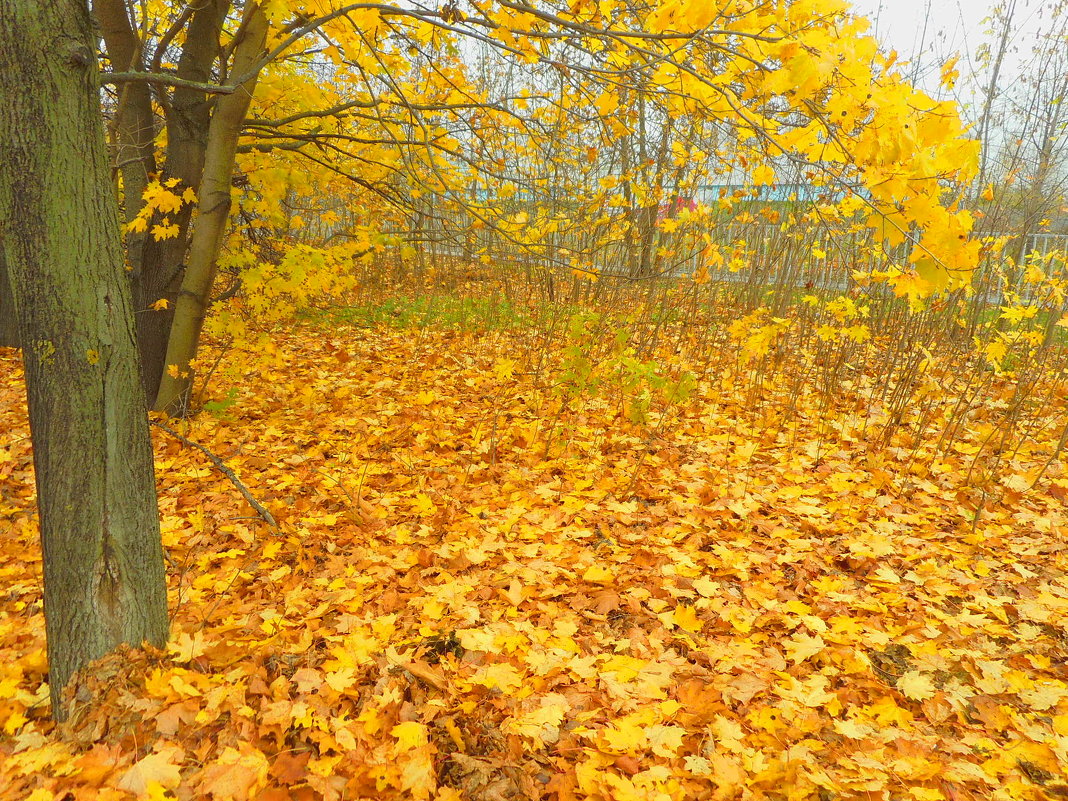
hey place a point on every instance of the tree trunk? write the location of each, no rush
(9, 326)
(188, 116)
(156, 267)
(210, 226)
(134, 158)
(104, 581)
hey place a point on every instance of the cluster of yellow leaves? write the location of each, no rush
(449, 611)
(161, 199)
(863, 123)
(845, 313)
(845, 110)
(1030, 317)
(758, 332)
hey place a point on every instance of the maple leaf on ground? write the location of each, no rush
(499, 676)
(235, 775)
(409, 735)
(161, 768)
(802, 646)
(916, 685)
(685, 617)
(417, 772)
(541, 724)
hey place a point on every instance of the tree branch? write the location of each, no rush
(165, 80)
(268, 518)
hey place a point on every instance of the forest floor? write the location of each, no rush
(473, 593)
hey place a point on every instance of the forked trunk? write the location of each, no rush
(156, 267)
(211, 222)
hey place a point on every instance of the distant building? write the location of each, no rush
(772, 193)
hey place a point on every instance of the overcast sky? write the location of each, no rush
(911, 25)
(930, 31)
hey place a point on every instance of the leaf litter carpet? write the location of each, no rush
(472, 595)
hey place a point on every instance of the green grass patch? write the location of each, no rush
(439, 311)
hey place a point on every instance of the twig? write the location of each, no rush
(268, 518)
(211, 372)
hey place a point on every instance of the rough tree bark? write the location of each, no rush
(9, 333)
(104, 580)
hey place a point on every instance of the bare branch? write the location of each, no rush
(261, 510)
(164, 79)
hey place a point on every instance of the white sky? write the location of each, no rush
(909, 25)
(928, 32)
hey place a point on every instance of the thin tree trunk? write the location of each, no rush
(210, 226)
(1005, 19)
(104, 581)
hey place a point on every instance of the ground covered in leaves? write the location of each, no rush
(475, 594)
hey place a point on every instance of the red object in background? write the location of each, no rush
(671, 209)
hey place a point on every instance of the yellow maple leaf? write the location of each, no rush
(707, 587)
(542, 724)
(161, 199)
(187, 647)
(916, 686)
(887, 576)
(685, 617)
(410, 735)
(886, 712)
(950, 73)
(504, 369)
(138, 224)
(500, 676)
(802, 646)
(160, 767)
(424, 507)
(417, 773)
(598, 574)
(165, 230)
(1060, 724)
(729, 733)
(341, 679)
(763, 175)
(665, 739)
(15, 721)
(624, 736)
(852, 729)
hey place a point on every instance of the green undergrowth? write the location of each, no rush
(424, 311)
